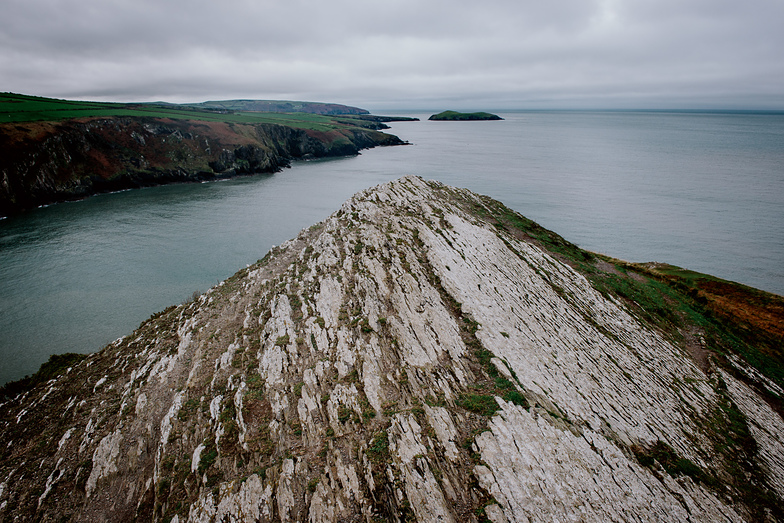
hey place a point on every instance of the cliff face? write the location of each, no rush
(48, 162)
(417, 356)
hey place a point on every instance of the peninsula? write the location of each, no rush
(55, 150)
(424, 354)
(456, 116)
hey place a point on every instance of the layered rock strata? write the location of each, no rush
(413, 357)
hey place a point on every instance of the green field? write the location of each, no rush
(17, 108)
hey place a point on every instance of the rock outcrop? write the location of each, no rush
(46, 162)
(423, 354)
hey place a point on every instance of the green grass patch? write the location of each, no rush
(208, 457)
(674, 464)
(17, 108)
(671, 298)
(511, 221)
(378, 450)
(482, 404)
(657, 303)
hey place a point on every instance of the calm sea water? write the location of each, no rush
(702, 191)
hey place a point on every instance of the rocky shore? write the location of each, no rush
(424, 354)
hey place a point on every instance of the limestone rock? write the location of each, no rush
(423, 354)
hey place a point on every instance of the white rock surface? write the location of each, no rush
(333, 381)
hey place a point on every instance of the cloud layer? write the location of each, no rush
(403, 54)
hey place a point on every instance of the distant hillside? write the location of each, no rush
(457, 116)
(280, 106)
(24, 108)
(55, 150)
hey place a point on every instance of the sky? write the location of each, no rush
(401, 54)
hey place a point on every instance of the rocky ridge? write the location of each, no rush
(416, 356)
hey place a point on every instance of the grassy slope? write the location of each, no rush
(16, 108)
(56, 150)
(709, 315)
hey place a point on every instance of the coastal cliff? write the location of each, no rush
(47, 162)
(423, 354)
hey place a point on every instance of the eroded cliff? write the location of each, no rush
(46, 162)
(423, 354)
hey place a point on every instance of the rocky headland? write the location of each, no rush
(424, 354)
(47, 162)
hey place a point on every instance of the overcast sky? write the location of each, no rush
(401, 54)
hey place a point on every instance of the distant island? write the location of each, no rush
(457, 116)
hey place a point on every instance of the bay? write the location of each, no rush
(703, 191)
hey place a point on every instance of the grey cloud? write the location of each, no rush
(502, 53)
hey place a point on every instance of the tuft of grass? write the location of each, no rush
(344, 413)
(482, 404)
(208, 457)
(378, 450)
(312, 484)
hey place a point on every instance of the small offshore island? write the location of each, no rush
(457, 116)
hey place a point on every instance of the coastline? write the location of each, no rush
(46, 162)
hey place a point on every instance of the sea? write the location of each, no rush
(700, 190)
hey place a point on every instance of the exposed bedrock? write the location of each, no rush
(409, 358)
